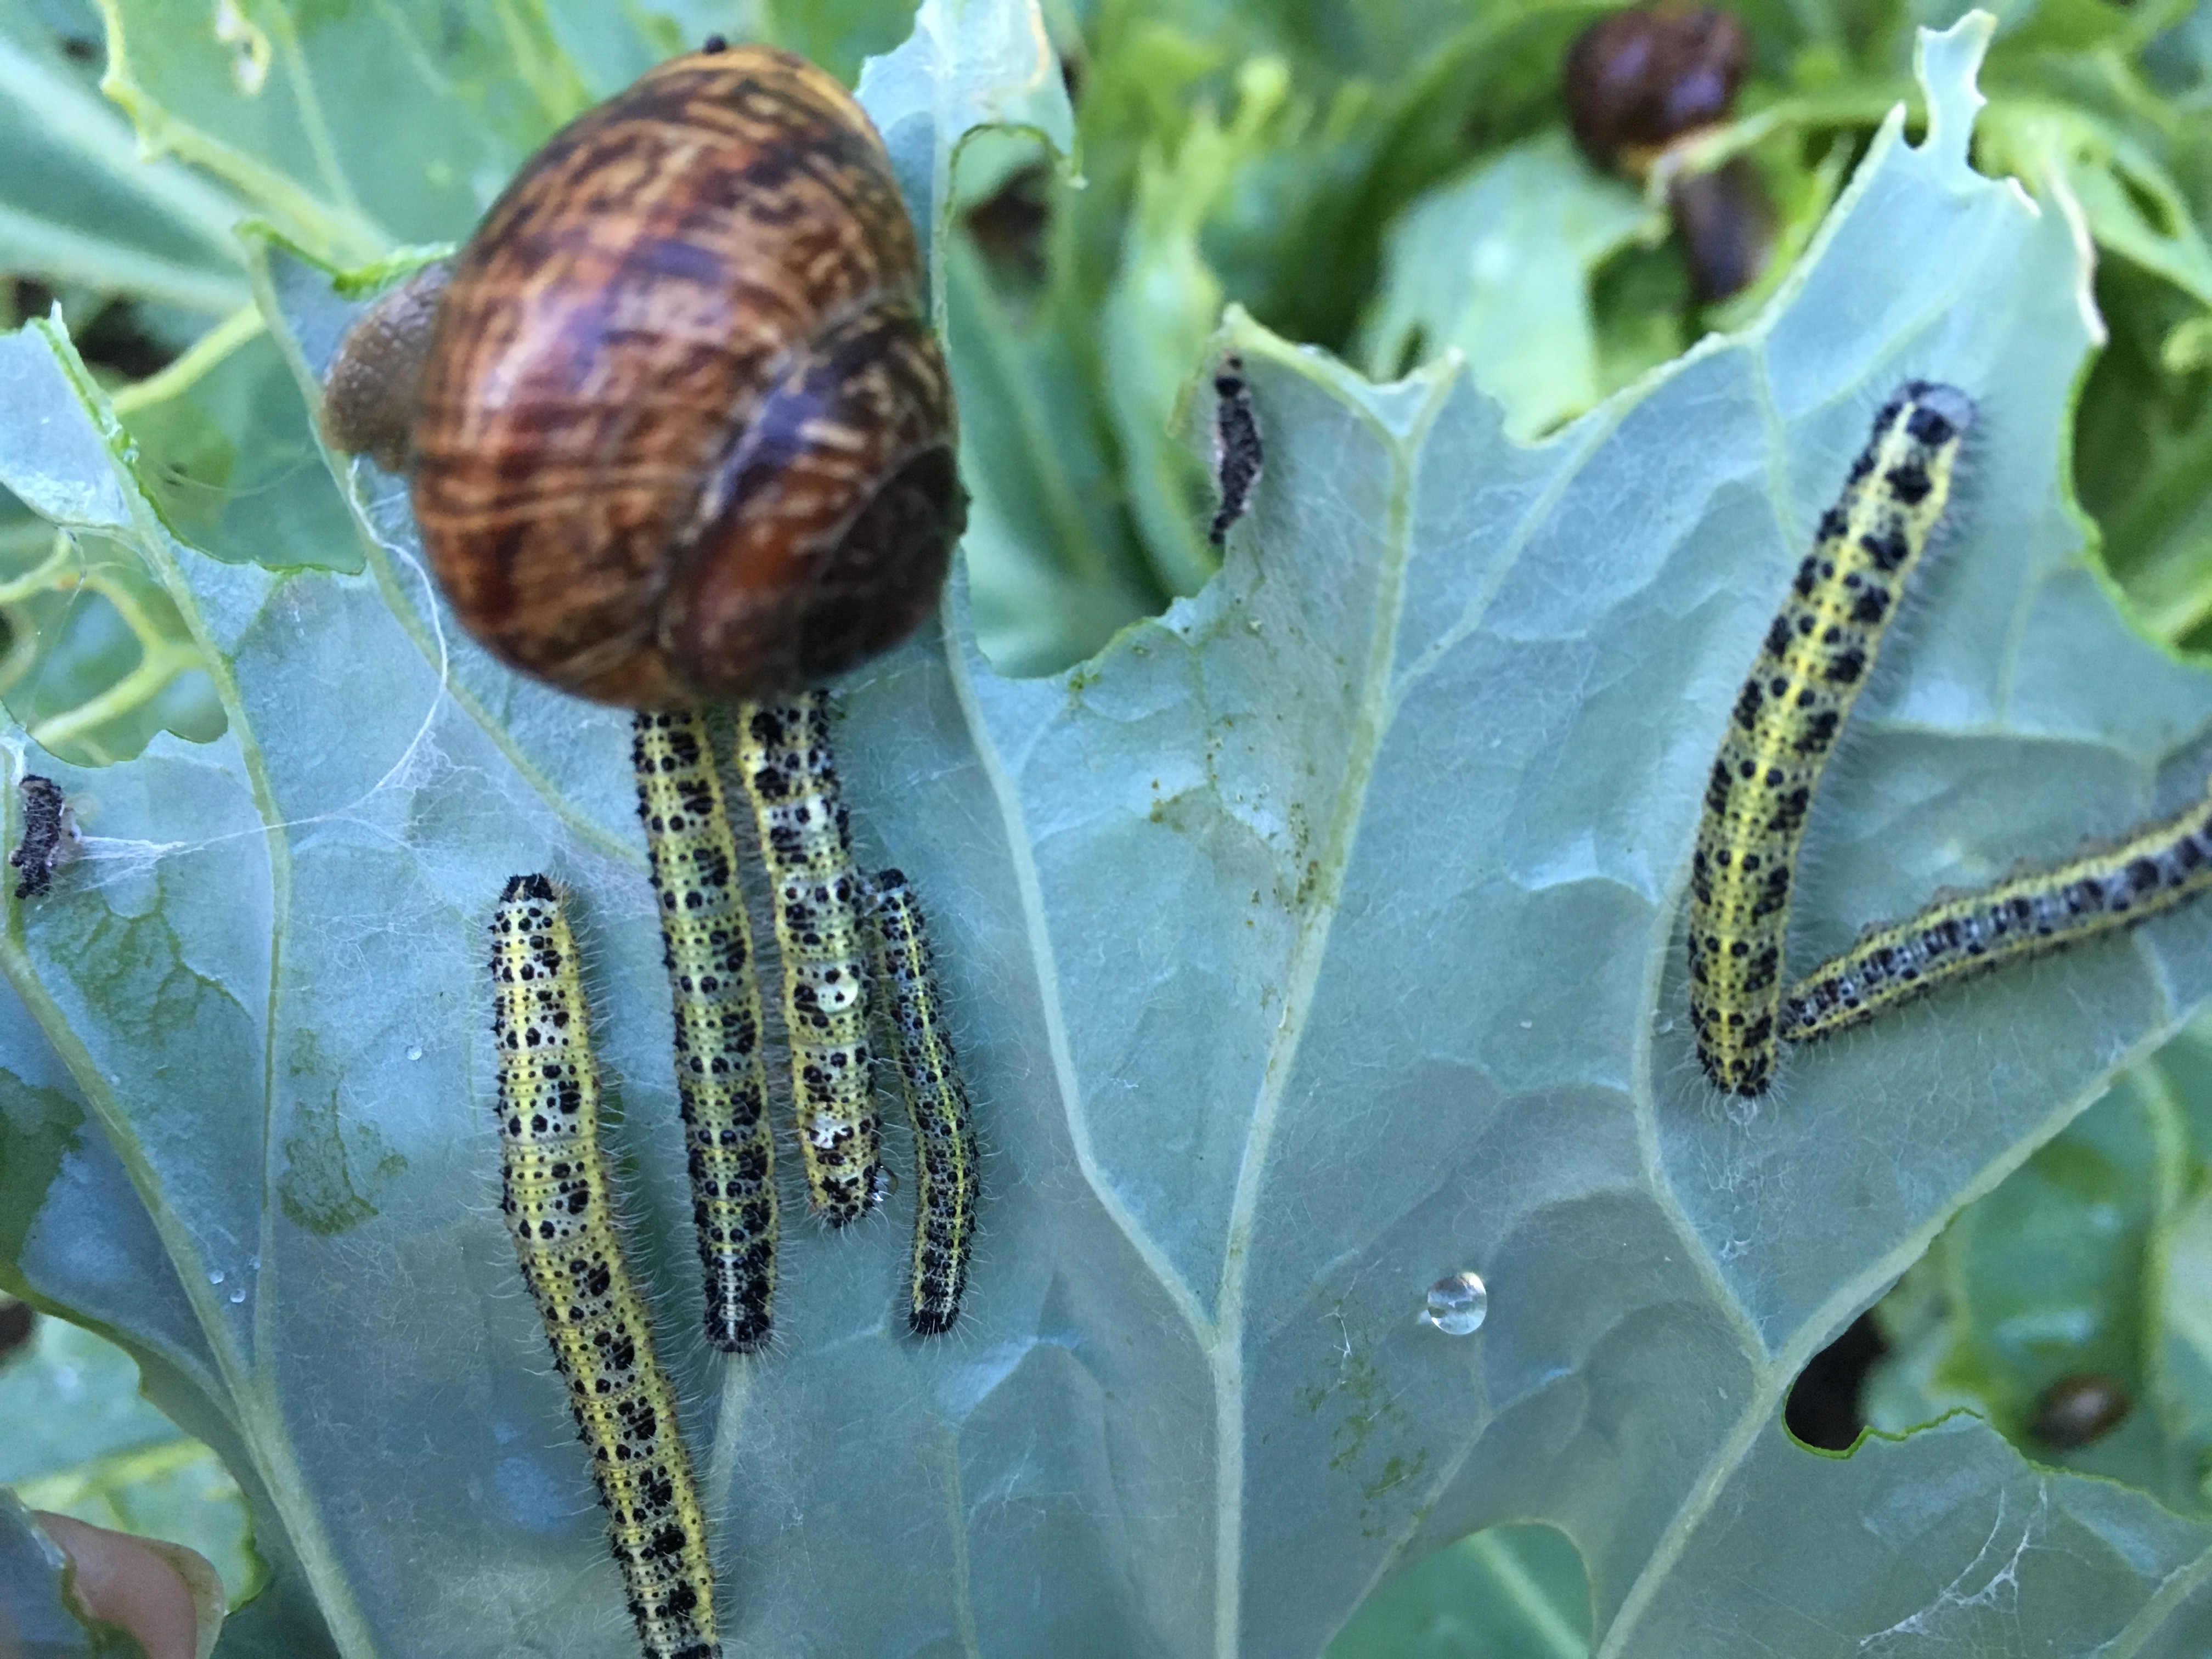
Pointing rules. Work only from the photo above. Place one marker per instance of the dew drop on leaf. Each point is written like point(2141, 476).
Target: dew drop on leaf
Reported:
point(1457, 1304)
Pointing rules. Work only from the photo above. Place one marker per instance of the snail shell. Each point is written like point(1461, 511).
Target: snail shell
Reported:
point(1644, 79)
point(2078, 1409)
point(1639, 79)
point(683, 432)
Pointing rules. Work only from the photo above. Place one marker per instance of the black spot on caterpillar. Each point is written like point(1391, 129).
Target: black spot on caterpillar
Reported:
point(557, 1201)
point(709, 952)
point(49, 835)
point(784, 757)
point(937, 1100)
point(2028, 914)
point(1236, 445)
point(1815, 659)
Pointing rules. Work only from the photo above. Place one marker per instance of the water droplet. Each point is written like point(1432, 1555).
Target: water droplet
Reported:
point(415, 1053)
point(214, 1275)
point(239, 1295)
point(1457, 1305)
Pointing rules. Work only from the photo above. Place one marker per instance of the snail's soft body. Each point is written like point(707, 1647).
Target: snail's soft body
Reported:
point(682, 433)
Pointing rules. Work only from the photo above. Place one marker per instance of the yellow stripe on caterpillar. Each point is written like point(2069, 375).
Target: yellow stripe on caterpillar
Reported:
point(558, 1204)
point(784, 757)
point(719, 1082)
point(1815, 659)
point(946, 1176)
point(2028, 914)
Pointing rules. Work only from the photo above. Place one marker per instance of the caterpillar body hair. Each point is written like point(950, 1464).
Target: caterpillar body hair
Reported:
point(2031, 912)
point(944, 1155)
point(1810, 668)
point(720, 1083)
point(557, 1201)
point(784, 757)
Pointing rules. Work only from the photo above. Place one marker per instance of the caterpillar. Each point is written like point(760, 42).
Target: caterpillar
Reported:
point(2028, 914)
point(784, 756)
point(1815, 657)
point(557, 1201)
point(937, 1102)
point(719, 1081)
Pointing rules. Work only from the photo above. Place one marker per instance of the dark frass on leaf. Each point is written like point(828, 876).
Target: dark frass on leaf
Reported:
point(1236, 445)
point(49, 835)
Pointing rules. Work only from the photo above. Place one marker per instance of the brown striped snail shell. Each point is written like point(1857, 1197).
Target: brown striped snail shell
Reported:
point(682, 433)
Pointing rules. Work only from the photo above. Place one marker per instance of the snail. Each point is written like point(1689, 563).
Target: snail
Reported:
point(2078, 1409)
point(679, 434)
point(678, 428)
point(1638, 84)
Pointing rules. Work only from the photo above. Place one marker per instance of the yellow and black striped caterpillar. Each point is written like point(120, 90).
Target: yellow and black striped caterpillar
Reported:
point(558, 1205)
point(2027, 914)
point(784, 757)
point(945, 1177)
point(1815, 659)
point(719, 1081)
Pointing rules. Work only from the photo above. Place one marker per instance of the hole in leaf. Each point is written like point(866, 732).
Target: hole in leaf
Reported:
point(1823, 1408)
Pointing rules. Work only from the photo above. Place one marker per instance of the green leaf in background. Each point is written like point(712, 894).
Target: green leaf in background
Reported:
point(1313, 941)
point(1498, 263)
point(1160, 312)
point(2093, 1259)
point(104, 1455)
point(1504, 1592)
point(2050, 1276)
point(348, 127)
point(81, 207)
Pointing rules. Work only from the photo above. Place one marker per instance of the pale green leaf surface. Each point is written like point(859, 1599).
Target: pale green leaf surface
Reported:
point(1313, 941)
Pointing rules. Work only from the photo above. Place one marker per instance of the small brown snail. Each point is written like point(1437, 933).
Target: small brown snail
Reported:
point(2078, 1409)
point(678, 427)
point(1640, 79)
point(1643, 81)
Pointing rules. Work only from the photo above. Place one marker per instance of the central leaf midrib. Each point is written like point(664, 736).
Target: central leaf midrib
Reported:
point(1371, 723)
